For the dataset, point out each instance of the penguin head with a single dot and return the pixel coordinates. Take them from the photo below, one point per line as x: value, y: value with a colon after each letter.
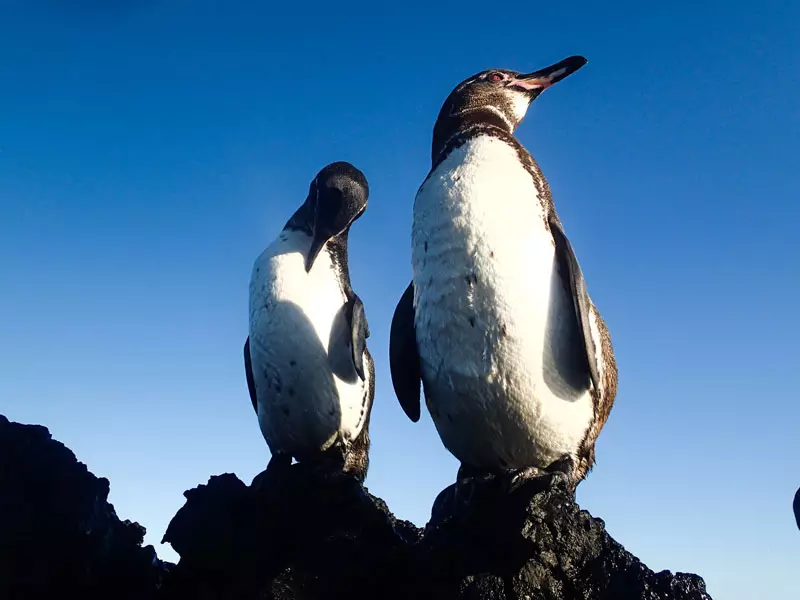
x: 498, y: 96
x: 336, y: 198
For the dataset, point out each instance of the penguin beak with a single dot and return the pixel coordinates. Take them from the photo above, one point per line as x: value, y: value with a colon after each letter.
x: 317, y: 244
x: 538, y: 81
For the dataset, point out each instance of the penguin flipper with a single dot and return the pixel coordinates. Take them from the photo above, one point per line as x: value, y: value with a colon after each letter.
x: 248, y: 370
x: 568, y: 268
x: 404, y: 357
x: 359, y: 332
x: 356, y: 460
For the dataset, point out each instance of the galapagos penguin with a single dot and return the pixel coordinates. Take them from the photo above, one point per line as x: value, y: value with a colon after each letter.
x: 310, y: 376
x: 515, y: 360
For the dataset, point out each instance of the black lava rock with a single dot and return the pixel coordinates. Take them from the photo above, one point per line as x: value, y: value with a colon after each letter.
x: 302, y: 534
x: 536, y: 543
x: 59, y: 537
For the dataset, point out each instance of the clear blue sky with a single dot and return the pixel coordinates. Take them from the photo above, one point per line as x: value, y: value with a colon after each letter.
x: 149, y: 153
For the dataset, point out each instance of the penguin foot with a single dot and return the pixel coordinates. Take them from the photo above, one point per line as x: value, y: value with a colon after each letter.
x: 467, y: 472
x: 468, y: 480
x: 565, y: 465
x: 562, y: 470
x: 465, y: 489
x: 518, y: 477
x: 276, y: 471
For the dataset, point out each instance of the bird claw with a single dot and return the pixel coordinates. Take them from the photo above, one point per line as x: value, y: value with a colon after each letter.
x: 518, y: 478
x: 561, y: 469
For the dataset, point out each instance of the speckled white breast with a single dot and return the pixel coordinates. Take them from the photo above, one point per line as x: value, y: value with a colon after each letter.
x: 302, y: 404
x: 488, y: 317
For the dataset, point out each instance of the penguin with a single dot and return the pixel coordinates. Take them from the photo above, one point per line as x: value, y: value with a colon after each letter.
x: 514, y: 358
x: 309, y: 373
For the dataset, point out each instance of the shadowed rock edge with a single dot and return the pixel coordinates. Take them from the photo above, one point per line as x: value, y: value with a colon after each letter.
x: 307, y: 535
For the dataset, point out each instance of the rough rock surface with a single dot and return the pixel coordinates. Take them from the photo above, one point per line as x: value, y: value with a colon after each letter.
x: 59, y: 537
x: 298, y: 534
x: 534, y: 543
x: 305, y: 536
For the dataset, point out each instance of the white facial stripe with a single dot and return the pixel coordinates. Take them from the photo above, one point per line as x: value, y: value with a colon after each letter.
x: 520, y: 103
x: 500, y: 114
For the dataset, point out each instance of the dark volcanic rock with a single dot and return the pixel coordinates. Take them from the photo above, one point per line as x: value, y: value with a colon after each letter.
x: 297, y: 534
x: 303, y: 536
x: 533, y: 543
x: 59, y: 537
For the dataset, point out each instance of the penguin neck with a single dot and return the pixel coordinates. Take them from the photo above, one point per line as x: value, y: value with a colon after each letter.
x: 336, y: 247
x: 300, y: 220
x: 335, y: 251
x: 450, y: 127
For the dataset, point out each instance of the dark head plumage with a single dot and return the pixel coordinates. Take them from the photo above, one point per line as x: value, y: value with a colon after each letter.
x: 498, y: 97
x: 336, y: 197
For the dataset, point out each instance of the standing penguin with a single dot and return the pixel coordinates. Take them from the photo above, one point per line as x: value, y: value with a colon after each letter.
x: 310, y: 376
x: 516, y: 362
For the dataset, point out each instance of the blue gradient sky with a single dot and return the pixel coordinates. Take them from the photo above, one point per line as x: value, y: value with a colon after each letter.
x: 149, y: 153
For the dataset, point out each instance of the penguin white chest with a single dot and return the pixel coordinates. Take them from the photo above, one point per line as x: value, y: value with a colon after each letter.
x: 308, y: 393
x: 493, y: 320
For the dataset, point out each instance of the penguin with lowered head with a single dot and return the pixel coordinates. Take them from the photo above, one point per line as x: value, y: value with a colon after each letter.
x: 310, y: 375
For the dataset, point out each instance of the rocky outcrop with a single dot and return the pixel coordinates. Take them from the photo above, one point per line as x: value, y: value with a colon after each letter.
x: 301, y: 534
x: 308, y: 537
x: 59, y: 536
x: 304, y: 536
x: 534, y: 543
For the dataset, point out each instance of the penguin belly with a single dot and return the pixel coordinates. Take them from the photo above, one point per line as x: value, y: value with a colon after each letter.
x: 304, y: 406
x: 495, y: 327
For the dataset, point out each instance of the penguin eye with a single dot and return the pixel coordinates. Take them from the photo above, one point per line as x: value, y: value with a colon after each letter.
x: 496, y: 77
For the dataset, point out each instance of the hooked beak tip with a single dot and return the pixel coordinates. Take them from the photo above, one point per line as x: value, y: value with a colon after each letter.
x: 539, y: 81
x: 313, y: 252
